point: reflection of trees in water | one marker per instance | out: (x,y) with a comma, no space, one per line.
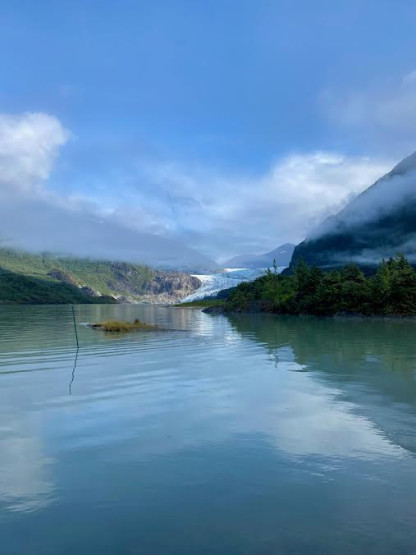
(380,354)
(370,362)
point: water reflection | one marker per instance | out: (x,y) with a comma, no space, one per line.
(240,430)
(25,480)
(353,341)
(368,364)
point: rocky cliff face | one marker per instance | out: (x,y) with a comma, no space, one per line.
(160,288)
(379,223)
(163,288)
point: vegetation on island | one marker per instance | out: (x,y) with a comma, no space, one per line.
(120,326)
(390,291)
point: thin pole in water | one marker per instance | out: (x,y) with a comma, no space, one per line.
(75,325)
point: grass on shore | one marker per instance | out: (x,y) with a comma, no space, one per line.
(120,326)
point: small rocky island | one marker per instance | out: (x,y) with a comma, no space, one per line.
(119,326)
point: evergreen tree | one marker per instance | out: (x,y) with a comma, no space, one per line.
(328,295)
(301,274)
(355,290)
(391,291)
(380,290)
(403,286)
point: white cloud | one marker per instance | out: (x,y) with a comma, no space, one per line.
(150,216)
(34,217)
(386,113)
(227,215)
(29,144)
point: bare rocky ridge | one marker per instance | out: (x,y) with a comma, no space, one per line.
(164,288)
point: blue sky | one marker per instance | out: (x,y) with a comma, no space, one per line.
(169,106)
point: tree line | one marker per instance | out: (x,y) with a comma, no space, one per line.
(390,291)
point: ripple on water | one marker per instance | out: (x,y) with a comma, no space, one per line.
(237,430)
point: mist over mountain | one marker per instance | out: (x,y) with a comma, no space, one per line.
(37,224)
(282,255)
(378,223)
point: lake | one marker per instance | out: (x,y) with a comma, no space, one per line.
(248,434)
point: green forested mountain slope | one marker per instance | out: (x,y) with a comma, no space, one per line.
(89,278)
(21,289)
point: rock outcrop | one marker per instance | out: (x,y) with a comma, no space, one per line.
(163,288)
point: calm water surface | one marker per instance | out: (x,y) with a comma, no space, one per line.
(248,434)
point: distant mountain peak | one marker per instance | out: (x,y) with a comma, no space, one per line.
(282,255)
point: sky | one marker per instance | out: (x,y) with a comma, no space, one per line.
(225,126)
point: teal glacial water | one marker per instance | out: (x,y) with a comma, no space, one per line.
(240,435)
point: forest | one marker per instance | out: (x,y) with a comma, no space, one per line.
(389,291)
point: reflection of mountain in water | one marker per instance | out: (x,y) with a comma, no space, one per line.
(372,362)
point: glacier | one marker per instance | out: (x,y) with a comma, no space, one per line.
(213,283)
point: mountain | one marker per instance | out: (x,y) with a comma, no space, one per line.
(22,289)
(378,223)
(282,255)
(34,278)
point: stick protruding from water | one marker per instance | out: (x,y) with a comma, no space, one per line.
(75,325)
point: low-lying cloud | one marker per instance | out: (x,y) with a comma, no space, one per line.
(382,218)
(231,214)
(163,211)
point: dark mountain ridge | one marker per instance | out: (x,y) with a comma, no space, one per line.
(377,224)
